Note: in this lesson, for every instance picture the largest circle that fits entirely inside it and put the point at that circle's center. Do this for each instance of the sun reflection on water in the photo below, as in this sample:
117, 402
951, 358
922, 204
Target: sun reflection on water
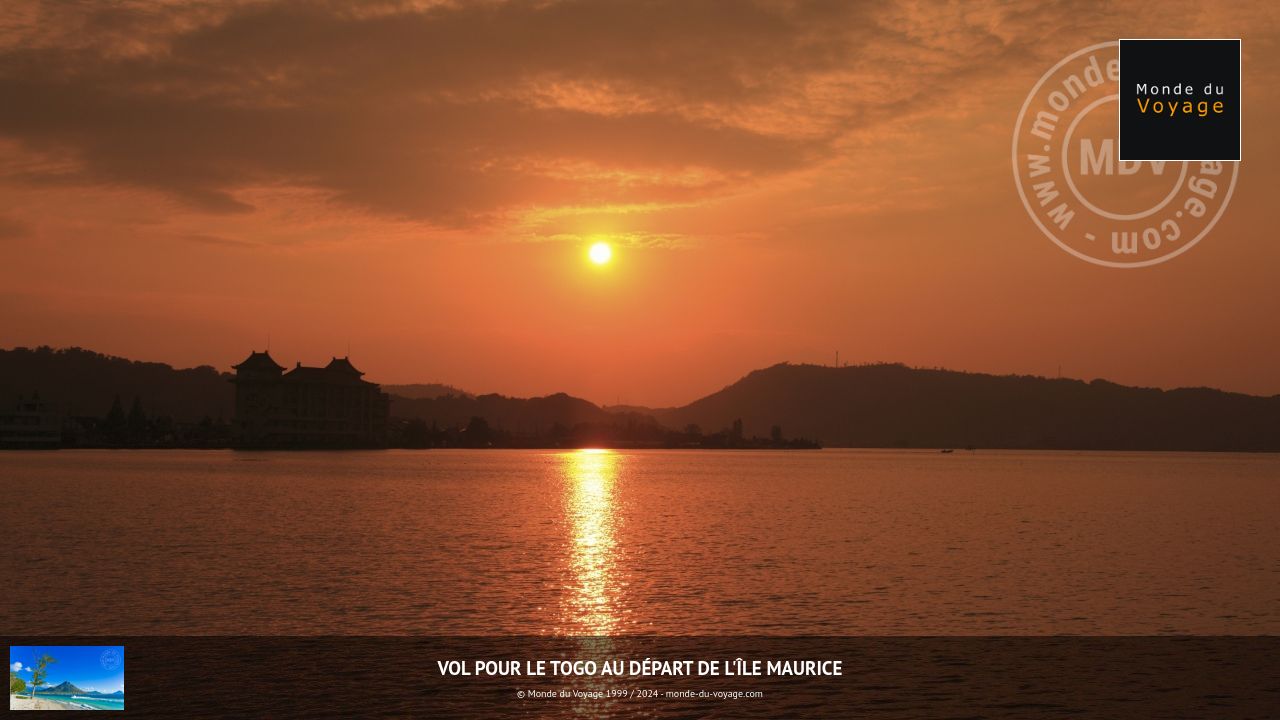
591, 604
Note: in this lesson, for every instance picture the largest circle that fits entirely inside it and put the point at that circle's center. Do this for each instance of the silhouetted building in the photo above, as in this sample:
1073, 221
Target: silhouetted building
330, 406
30, 423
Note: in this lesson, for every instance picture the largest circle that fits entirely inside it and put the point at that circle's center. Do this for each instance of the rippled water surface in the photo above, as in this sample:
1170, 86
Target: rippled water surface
685, 542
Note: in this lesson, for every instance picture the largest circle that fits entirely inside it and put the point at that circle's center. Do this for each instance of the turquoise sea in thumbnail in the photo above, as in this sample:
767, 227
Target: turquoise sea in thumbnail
96, 703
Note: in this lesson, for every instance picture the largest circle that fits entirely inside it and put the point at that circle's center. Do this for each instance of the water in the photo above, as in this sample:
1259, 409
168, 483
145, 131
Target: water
715, 543
94, 703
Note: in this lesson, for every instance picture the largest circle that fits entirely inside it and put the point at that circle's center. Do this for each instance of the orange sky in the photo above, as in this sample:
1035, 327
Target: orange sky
421, 180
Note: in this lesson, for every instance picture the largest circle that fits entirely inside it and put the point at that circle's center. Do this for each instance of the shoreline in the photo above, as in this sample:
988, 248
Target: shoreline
24, 702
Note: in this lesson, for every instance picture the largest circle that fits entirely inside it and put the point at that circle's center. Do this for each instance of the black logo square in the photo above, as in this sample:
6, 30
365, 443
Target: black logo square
1179, 99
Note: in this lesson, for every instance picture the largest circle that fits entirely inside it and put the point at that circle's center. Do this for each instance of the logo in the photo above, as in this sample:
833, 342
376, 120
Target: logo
1101, 209
1180, 100
110, 659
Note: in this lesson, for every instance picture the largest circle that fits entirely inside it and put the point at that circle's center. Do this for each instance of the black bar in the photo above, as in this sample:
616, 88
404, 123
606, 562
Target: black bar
882, 677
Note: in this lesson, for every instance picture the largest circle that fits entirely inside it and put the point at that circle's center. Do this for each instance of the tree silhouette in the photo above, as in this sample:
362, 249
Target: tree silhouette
477, 432
137, 420
115, 424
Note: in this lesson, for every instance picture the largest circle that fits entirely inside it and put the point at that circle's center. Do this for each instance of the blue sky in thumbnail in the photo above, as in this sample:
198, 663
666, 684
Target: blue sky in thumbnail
83, 665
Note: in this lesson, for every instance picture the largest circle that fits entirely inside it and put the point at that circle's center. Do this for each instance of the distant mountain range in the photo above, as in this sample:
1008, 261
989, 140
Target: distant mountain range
66, 688
891, 405
424, 391
63, 688
517, 415
83, 382
885, 405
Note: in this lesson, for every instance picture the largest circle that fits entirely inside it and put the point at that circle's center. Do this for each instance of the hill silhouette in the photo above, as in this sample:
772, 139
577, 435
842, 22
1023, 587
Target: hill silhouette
885, 405
424, 391
891, 405
525, 416
83, 382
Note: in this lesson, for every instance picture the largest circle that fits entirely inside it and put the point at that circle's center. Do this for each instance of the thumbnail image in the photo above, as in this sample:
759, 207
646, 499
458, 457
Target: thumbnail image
66, 677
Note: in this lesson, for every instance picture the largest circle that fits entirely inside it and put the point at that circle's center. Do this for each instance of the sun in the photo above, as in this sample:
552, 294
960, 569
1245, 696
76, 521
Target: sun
600, 253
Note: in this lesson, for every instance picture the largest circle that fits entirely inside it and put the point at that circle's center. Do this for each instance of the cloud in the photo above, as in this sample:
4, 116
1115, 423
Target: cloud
459, 113
16, 667
447, 114
466, 114
206, 239
11, 228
